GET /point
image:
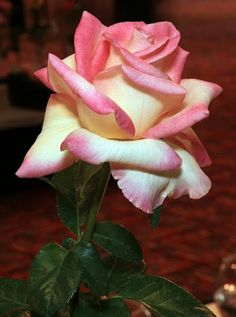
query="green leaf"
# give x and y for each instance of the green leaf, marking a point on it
(163, 298)
(119, 271)
(69, 243)
(54, 278)
(118, 241)
(94, 271)
(67, 212)
(155, 217)
(74, 178)
(12, 296)
(114, 307)
(76, 188)
(64, 181)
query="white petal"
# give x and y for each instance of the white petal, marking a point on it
(148, 190)
(149, 154)
(45, 156)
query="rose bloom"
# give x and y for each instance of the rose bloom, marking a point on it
(120, 98)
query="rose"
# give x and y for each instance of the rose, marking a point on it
(120, 98)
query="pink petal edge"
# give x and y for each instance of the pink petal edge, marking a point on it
(94, 99)
(188, 116)
(87, 37)
(147, 191)
(42, 74)
(45, 157)
(150, 82)
(188, 140)
(95, 149)
(173, 64)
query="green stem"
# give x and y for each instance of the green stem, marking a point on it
(77, 197)
(96, 203)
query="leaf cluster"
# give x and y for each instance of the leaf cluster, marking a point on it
(97, 274)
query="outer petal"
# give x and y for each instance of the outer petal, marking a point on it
(87, 37)
(45, 156)
(148, 190)
(94, 149)
(190, 141)
(173, 64)
(65, 80)
(194, 109)
(42, 73)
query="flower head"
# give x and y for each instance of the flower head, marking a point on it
(120, 98)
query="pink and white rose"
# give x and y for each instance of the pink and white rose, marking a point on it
(120, 98)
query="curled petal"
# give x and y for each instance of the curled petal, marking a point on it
(190, 141)
(87, 37)
(173, 64)
(94, 149)
(160, 85)
(150, 42)
(122, 32)
(45, 156)
(66, 79)
(194, 109)
(42, 73)
(164, 38)
(141, 65)
(100, 57)
(147, 190)
(119, 36)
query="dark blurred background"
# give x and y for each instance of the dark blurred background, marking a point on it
(193, 235)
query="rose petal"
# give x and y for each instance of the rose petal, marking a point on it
(143, 105)
(122, 32)
(141, 65)
(45, 156)
(164, 38)
(55, 80)
(87, 37)
(188, 140)
(103, 125)
(173, 64)
(194, 109)
(100, 58)
(42, 73)
(121, 35)
(94, 149)
(147, 190)
(64, 78)
(151, 82)
(150, 42)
